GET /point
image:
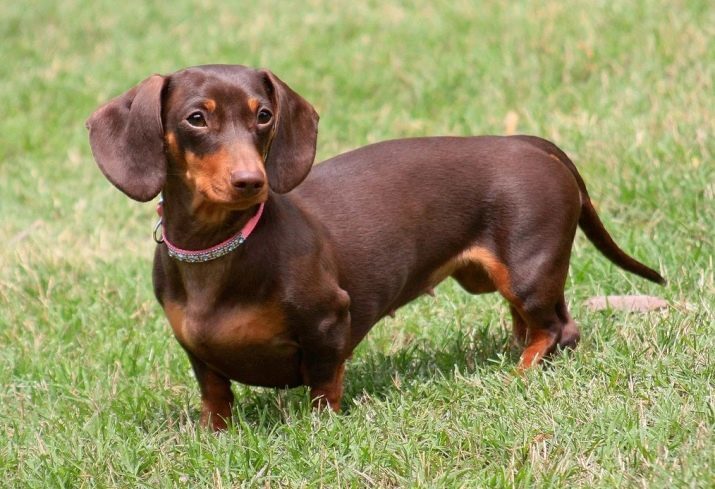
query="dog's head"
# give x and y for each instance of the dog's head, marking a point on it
(228, 131)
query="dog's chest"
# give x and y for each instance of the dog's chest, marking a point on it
(251, 344)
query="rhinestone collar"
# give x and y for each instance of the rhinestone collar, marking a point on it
(208, 254)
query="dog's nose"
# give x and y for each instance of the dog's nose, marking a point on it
(247, 182)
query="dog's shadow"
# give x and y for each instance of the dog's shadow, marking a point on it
(377, 375)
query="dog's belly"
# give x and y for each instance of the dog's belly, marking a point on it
(251, 345)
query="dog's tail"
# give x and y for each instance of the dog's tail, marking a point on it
(591, 224)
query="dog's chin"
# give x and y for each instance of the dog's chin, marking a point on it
(235, 203)
(243, 206)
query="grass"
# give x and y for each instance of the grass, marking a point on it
(97, 393)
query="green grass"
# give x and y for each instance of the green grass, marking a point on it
(97, 393)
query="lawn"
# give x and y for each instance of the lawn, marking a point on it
(97, 393)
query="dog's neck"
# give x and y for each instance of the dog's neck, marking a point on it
(195, 224)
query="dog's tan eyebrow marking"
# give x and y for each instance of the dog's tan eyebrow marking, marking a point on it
(210, 105)
(253, 104)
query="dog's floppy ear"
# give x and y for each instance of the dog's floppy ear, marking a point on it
(127, 140)
(296, 130)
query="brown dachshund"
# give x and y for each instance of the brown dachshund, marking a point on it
(272, 286)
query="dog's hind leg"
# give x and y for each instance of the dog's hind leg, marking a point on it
(484, 273)
(519, 327)
(541, 321)
(539, 305)
(570, 334)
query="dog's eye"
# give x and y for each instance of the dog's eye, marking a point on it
(264, 116)
(196, 119)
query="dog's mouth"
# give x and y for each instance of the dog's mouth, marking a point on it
(232, 199)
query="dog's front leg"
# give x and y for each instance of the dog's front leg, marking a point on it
(325, 379)
(216, 395)
(324, 355)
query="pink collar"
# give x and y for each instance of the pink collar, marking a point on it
(208, 254)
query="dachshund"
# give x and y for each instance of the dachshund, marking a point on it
(270, 274)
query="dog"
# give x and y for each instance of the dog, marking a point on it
(270, 274)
